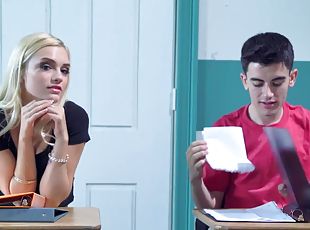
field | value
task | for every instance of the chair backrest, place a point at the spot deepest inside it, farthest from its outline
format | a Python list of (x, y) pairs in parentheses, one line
[(291, 169)]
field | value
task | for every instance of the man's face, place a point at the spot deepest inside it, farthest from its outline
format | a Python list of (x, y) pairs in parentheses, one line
[(268, 87)]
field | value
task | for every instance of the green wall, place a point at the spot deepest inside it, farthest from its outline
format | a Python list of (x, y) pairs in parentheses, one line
[(220, 90)]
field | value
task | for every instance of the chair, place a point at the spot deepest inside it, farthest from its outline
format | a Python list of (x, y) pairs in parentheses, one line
[(200, 225)]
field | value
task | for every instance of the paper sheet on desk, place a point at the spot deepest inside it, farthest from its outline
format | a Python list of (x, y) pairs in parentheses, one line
[(268, 212), (226, 149)]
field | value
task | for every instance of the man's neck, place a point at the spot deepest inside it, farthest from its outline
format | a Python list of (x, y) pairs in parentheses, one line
[(264, 120)]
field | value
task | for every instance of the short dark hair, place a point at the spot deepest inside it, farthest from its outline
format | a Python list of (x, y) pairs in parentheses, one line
[(267, 48)]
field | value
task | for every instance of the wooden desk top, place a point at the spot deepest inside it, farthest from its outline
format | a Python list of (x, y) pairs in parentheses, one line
[(76, 218), (247, 225)]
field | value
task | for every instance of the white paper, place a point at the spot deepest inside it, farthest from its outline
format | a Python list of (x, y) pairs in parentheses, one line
[(226, 149), (268, 212)]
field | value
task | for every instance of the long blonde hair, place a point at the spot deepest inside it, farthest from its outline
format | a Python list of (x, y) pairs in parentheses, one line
[(10, 92)]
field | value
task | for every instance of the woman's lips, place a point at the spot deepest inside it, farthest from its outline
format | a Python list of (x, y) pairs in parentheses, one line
[(55, 89)]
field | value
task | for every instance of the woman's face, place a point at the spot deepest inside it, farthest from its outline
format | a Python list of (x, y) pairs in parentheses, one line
[(46, 75)]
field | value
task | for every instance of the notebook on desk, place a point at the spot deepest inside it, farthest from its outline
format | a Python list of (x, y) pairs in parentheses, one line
[(24, 214), (30, 209), (291, 171)]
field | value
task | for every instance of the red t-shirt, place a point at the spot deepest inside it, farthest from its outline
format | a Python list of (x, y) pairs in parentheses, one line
[(260, 186)]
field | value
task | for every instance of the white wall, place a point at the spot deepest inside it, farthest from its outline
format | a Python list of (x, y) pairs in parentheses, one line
[(225, 24)]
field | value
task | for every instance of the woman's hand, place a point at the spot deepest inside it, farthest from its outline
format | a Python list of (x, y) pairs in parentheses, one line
[(56, 113), (196, 155), (30, 114)]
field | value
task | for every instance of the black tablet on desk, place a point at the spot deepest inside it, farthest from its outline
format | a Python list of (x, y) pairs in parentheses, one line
[(291, 170)]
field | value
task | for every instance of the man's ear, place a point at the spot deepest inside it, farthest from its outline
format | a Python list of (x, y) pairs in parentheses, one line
[(293, 77), (244, 79)]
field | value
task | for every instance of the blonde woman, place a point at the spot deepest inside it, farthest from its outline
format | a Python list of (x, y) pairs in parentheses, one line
[(42, 136)]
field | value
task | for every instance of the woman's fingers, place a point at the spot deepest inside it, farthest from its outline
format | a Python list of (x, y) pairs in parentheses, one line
[(57, 114), (35, 109)]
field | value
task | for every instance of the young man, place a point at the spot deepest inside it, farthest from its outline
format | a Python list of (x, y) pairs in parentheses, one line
[(267, 61)]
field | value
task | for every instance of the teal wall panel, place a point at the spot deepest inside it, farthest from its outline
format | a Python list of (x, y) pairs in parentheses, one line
[(300, 93), (186, 72), (220, 90)]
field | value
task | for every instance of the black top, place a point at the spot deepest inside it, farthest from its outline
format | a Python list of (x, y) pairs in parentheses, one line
[(77, 125)]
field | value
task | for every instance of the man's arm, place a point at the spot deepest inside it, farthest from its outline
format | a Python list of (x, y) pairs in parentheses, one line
[(203, 198), (196, 158)]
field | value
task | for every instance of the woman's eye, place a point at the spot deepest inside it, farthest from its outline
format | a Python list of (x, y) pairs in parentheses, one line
[(65, 71), (45, 66)]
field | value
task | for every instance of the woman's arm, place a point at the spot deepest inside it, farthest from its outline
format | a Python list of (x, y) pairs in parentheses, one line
[(25, 173), (56, 183), (7, 166), (24, 177)]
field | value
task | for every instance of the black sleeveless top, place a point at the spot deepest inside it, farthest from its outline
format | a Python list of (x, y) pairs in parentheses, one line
[(77, 125)]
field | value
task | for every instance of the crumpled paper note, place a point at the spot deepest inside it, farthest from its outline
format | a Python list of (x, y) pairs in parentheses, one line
[(226, 149)]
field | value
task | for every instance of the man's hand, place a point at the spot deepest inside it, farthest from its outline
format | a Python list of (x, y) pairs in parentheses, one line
[(283, 190), (196, 158)]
